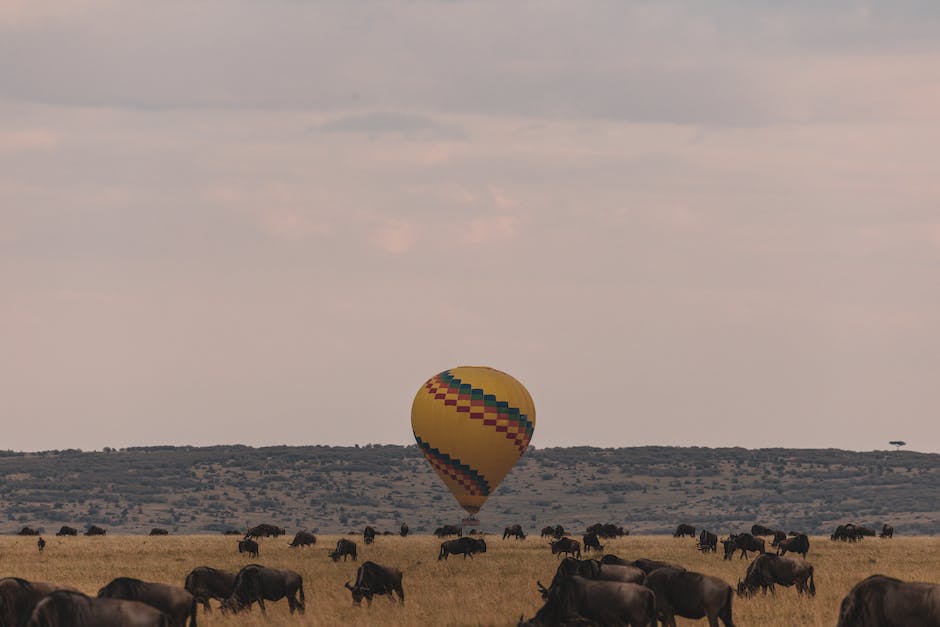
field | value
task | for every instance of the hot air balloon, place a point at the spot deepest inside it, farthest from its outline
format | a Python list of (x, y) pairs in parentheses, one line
[(472, 423)]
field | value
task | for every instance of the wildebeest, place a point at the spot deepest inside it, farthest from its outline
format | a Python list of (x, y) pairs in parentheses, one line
[(448, 530), (742, 542), (592, 569), (576, 600), (881, 601), (867, 531), (256, 584), (41, 544), (303, 538), (248, 546), (206, 583), (591, 542), (95, 530), (559, 531), (264, 530), (514, 531), (231, 532), (797, 544), (607, 530), (18, 597), (65, 530), (548, 532), (887, 531), (175, 602), (768, 570), (761, 530), (684, 530), (846, 533), (373, 579), (157, 531), (65, 608), (465, 546), (368, 535), (779, 536), (566, 546), (690, 595), (707, 541), (27, 531), (343, 549), (403, 531)]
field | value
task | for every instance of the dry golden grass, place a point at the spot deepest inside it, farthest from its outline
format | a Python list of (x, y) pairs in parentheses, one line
[(492, 589)]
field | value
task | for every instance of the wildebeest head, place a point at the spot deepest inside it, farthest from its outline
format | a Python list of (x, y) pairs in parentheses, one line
[(232, 604), (359, 593)]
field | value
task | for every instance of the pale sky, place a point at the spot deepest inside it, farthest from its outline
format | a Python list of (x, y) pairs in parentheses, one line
[(270, 221)]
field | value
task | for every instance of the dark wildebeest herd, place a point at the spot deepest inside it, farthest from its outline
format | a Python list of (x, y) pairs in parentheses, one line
[(606, 591)]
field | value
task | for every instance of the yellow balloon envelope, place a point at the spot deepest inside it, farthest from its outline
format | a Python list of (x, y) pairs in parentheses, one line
[(472, 423)]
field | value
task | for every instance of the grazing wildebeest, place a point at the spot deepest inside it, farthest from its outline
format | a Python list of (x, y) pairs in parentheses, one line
[(867, 531), (607, 530), (95, 530), (18, 597), (373, 579), (515, 531), (548, 532), (175, 602), (465, 546), (779, 537), (690, 595), (343, 549), (591, 541), (41, 544), (257, 584), (707, 541), (65, 608), (576, 600), (403, 532), (881, 601), (743, 542), (761, 530), (368, 535), (303, 538), (27, 531), (448, 530), (157, 531), (206, 583), (768, 570), (797, 544), (248, 546), (65, 530), (566, 546), (264, 530), (684, 530), (887, 531), (846, 533)]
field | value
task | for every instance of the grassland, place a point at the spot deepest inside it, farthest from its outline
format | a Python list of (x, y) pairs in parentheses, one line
[(492, 589)]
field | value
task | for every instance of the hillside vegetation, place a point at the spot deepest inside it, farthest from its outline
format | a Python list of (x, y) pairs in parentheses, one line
[(192, 490)]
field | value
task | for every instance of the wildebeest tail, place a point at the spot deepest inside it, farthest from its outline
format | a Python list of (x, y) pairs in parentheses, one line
[(303, 600), (192, 612), (812, 583)]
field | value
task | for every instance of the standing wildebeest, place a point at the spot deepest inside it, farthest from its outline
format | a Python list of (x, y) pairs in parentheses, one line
[(690, 595), (18, 597), (881, 601), (514, 531), (592, 542), (707, 541), (372, 579), (576, 600), (248, 546), (95, 530), (264, 530), (887, 531), (592, 569), (768, 570), (744, 542), (846, 533), (684, 530), (368, 535), (566, 546), (779, 536), (797, 544), (303, 538), (559, 531), (761, 530), (157, 531), (27, 531), (343, 549), (65, 608), (466, 546), (548, 532), (175, 602), (867, 531), (608, 530), (256, 583), (403, 532), (65, 530), (41, 544), (448, 530), (206, 583)]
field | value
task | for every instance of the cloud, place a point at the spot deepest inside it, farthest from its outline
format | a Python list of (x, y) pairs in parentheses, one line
[(490, 229), (409, 125), (396, 236)]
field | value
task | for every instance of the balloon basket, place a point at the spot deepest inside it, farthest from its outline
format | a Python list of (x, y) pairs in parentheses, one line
[(470, 522)]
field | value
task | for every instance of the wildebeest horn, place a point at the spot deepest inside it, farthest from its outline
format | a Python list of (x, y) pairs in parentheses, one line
[(540, 586), (347, 585)]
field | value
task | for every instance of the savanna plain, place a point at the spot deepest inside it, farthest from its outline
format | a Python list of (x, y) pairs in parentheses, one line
[(494, 588)]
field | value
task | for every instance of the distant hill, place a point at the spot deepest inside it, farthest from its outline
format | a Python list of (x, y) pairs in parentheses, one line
[(332, 489)]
